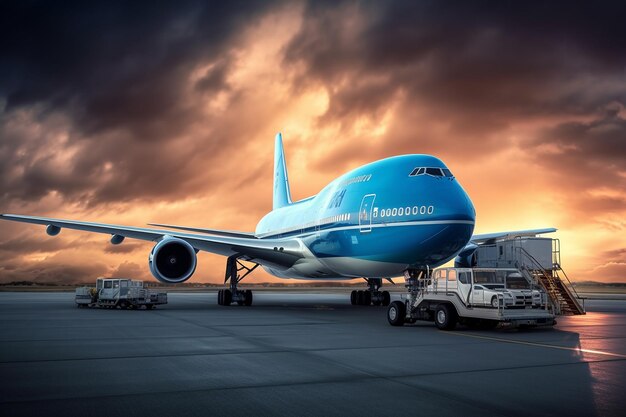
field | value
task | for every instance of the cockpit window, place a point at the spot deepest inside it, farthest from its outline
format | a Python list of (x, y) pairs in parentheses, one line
[(435, 172)]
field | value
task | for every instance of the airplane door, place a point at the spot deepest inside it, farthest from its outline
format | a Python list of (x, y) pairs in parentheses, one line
[(365, 213)]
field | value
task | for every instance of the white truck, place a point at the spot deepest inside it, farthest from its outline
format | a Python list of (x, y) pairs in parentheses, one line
[(476, 297), (118, 293)]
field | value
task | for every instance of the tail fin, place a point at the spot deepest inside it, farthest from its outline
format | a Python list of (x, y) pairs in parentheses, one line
[(282, 195)]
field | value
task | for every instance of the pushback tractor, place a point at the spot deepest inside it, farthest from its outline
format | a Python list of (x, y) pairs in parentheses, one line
[(119, 293)]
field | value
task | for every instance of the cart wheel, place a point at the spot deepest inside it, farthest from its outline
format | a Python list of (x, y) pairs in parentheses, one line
[(396, 313)]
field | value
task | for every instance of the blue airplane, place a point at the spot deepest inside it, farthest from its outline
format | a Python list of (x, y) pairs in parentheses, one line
[(398, 216)]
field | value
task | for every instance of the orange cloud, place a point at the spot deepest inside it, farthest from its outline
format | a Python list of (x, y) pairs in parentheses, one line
[(176, 125)]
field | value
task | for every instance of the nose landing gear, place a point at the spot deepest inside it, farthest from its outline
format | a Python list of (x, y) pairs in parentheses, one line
[(372, 295)]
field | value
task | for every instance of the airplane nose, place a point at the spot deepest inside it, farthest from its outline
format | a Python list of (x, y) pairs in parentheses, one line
[(461, 205)]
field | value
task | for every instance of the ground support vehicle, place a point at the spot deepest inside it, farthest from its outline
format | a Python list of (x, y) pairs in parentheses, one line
[(118, 293), (448, 296)]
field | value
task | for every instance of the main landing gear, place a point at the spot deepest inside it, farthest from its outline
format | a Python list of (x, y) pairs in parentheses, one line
[(372, 295), (233, 295)]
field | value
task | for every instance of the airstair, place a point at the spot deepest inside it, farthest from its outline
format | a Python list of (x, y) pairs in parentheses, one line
[(546, 272)]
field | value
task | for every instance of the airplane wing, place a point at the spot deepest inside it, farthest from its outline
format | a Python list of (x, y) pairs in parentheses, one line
[(207, 231), (269, 252), (492, 237)]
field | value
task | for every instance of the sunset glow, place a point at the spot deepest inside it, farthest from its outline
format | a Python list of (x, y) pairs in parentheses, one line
[(167, 115)]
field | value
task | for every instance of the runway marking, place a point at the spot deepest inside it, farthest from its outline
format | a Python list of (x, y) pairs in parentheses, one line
[(521, 342)]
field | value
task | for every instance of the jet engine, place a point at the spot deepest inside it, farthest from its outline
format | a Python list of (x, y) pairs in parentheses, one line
[(467, 257), (172, 260)]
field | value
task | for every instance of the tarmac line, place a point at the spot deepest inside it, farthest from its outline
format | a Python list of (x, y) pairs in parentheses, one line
[(544, 345)]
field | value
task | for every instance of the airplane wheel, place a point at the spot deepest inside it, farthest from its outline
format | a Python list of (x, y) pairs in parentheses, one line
[(377, 302), (445, 317), (240, 302), (359, 298), (220, 297), (353, 298), (386, 298), (248, 297), (396, 313), (227, 297), (367, 298)]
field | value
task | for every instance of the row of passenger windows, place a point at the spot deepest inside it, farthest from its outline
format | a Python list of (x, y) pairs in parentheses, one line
[(401, 211), (335, 219), (435, 172)]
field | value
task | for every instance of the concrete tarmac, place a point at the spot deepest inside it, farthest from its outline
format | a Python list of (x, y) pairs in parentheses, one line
[(299, 354)]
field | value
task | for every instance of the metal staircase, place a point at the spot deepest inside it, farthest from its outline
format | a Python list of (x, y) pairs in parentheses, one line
[(561, 293), (562, 296)]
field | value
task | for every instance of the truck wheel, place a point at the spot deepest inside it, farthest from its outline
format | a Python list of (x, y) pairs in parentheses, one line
[(386, 298), (445, 317), (396, 313)]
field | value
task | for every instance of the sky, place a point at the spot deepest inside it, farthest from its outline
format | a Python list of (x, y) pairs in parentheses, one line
[(138, 112)]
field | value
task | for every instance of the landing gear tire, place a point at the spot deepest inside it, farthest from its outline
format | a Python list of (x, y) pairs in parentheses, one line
[(353, 297), (220, 297), (396, 313), (445, 317), (227, 297), (386, 298), (247, 298), (367, 298)]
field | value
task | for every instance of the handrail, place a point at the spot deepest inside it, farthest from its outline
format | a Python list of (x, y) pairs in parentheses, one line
[(568, 281)]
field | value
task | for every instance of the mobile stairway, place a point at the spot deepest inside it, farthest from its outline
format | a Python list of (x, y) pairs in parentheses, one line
[(539, 260)]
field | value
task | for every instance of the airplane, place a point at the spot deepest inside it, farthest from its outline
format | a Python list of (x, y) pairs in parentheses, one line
[(402, 215)]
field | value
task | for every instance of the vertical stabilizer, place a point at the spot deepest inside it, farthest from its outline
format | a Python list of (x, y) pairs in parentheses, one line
[(282, 195)]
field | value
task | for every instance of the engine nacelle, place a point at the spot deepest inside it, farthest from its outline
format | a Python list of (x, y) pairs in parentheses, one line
[(467, 257), (172, 260)]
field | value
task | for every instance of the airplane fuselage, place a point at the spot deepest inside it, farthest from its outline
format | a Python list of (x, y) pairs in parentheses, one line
[(376, 221)]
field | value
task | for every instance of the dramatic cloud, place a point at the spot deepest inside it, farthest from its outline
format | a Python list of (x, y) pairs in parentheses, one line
[(130, 112)]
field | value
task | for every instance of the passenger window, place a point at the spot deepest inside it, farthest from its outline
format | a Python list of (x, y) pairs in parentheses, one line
[(463, 278), (123, 284), (116, 284), (108, 284)]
